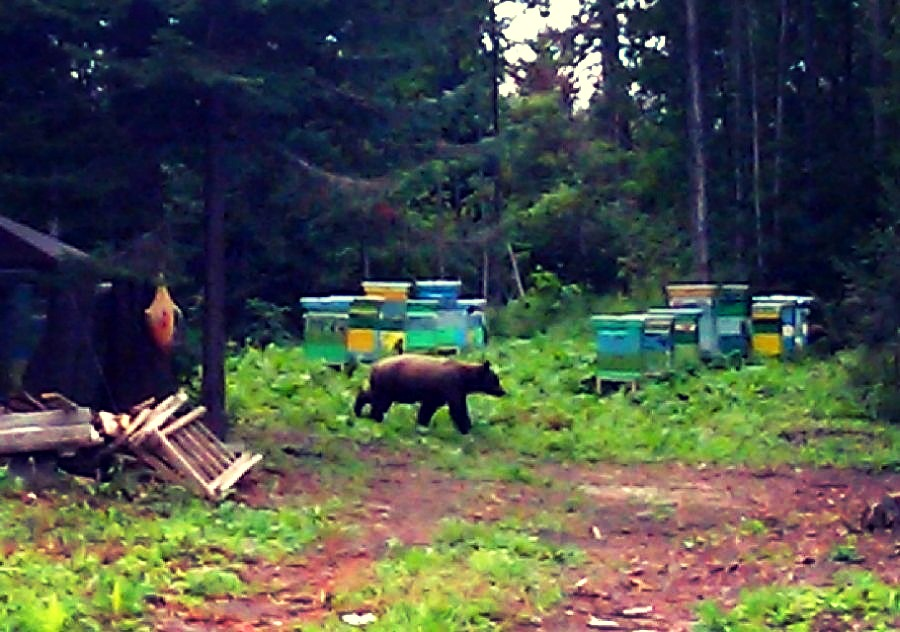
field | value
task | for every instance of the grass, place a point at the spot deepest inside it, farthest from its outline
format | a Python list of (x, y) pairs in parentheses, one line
[(94, 558), (471, 576), (91, 562), (856, 601), (768, 414)]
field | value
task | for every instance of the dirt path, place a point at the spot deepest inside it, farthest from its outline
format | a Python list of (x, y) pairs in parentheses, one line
[(661, 537)]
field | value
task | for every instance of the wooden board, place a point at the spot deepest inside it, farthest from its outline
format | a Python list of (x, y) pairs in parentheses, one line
[(48, 438)]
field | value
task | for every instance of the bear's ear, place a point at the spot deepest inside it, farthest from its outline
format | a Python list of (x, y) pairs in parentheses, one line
[(486, 365)]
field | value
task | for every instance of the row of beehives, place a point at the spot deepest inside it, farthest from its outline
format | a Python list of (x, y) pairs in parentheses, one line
[(702, 323), (392, 317)]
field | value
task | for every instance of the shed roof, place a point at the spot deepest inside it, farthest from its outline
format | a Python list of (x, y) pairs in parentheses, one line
[(22, 247)]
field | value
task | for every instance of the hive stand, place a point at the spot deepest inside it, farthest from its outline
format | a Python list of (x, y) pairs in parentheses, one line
[(178, 449)]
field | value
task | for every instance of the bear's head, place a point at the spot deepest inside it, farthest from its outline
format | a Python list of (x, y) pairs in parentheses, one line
[(486, 381)]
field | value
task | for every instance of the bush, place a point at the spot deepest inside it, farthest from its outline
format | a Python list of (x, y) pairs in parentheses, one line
[(875, 375)]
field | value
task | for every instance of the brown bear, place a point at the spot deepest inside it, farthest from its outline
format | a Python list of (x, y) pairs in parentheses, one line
[(433, 382)]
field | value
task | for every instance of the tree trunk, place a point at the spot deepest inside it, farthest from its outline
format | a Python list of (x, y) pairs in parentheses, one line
[(809, 102), (754, 108), (698, 196), (779, 122), (737, 105), (617, 125), (877, 80), (214, 300), (515, 270)]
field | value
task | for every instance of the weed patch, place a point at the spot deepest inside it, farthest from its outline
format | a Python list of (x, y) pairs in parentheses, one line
[(88, 563), (470, 577), (856, 599), (766, 414)]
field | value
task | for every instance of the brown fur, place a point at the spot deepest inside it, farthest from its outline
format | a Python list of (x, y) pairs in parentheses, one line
[(433, 382)]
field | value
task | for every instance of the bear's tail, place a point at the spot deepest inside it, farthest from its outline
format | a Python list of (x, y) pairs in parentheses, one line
[(364, 397)]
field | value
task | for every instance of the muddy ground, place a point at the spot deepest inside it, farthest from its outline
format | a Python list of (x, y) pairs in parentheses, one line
[(658, 538)]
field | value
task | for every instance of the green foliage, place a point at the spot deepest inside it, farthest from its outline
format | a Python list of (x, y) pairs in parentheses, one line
[(545, 300), (846, 552), (469, 575), (79, 565), (798, 413), (855, 599), (269, 323)]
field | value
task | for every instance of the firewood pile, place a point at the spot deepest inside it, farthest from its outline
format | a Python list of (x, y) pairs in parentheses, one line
[(179, 449), (172, 442)]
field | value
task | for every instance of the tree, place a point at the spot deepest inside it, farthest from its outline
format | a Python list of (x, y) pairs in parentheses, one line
[(697, 168)]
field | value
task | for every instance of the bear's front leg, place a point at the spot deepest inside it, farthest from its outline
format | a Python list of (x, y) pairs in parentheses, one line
[(426, 412), (460, 414), (379, 407)]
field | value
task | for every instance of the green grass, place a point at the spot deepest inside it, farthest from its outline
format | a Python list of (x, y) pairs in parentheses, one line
[(470, 576), (859, 601), (89, 563), (768, 414), (94, 558)]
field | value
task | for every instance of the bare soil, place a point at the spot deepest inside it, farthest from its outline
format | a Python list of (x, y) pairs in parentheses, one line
[(658, 538)]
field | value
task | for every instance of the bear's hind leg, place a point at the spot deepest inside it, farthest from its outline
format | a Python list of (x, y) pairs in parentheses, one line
[(426, 412), (460, 415)]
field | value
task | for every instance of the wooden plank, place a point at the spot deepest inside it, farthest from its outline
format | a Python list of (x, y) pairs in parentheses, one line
[(159, 416), (184, 466), (129, 429), (209, 450), (226, 473), (235, 472), (46, 418), (206, 453), (147, 403), (138, 421), (54, 438), (195, 456), (184, 420), (167, 473), (214, 440)]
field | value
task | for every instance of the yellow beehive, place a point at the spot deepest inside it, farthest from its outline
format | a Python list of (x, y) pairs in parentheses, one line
[(691, 290), (361, 340), (391, 342), (388, 290), (767, 335)]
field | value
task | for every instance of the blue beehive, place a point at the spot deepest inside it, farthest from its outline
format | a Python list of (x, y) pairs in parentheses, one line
[(445, 292), (476, 333), (331, 304)]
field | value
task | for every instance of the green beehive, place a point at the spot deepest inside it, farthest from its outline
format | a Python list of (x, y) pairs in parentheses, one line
[(421, 332), (656, 344), (700, 296), (325, 336), (733, 316), (450, 332), (619, 346), (475, 322), (365, 312), (685, 336), (421, 325)]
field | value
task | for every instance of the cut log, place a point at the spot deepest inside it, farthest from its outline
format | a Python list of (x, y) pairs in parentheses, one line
[(48, 438), (46, 418)]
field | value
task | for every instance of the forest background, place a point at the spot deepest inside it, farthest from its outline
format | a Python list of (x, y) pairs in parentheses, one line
[(270, 149)]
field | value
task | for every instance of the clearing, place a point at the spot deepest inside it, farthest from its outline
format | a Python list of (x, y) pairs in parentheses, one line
[(657, 539)]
